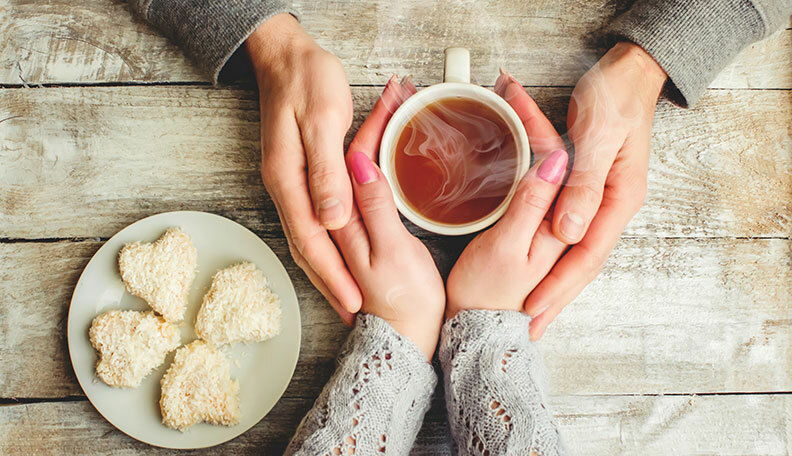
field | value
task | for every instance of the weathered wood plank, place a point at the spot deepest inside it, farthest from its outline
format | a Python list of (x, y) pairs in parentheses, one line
[(665, 316), (543, 44), (92, 41), (646, 426), (84, 162)]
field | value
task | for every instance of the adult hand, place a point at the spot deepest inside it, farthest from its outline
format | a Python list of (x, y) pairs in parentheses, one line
[(394, 270), (500, 267), (609, 121), (306, 110)]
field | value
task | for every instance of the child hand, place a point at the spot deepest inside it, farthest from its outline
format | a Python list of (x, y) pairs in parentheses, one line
[(394, 270), (501, 266)]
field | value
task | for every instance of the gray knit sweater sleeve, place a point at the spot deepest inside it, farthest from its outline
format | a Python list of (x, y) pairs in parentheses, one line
[(494, 386), (375, 401), (693, 40), (210, 32)]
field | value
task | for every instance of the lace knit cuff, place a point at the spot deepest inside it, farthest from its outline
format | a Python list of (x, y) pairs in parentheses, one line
[(376, 399), (494, 386), (471, 325), (372, 334)]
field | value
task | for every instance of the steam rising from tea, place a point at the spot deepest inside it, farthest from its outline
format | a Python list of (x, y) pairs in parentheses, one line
[(456, 161)]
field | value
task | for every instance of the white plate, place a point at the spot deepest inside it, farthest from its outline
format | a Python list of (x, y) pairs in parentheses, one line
[(263, 369)]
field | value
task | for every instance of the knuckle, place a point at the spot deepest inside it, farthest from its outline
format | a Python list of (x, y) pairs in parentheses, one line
[(330, 111), (321, 176), (594, 262), (303, 242), (372, 203), (530, 198), (591, 193)]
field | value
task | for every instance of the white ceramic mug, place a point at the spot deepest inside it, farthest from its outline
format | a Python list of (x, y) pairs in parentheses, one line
[(456, 84)]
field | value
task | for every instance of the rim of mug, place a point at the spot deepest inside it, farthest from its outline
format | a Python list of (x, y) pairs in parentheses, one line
[(419, 101)]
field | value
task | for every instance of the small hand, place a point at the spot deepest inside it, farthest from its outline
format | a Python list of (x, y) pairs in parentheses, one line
[(306, 110), (610, 122), (500, 267), (396, 274)]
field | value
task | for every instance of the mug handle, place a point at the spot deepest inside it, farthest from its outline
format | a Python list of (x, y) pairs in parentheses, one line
[(457, 65)]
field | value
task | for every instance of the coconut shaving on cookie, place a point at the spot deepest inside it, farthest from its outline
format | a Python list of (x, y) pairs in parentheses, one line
[(130, 344), (198, 387), (239, 307), (161, 272)]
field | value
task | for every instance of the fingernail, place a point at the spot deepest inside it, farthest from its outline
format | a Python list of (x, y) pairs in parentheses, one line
[(330, 211), (537, 333), (552, 168), (363, 168), (501, 82), (571, 226)]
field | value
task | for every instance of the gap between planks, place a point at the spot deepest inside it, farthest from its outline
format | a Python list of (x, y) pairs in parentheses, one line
[(13, 401), (275, 236), (251, 86)]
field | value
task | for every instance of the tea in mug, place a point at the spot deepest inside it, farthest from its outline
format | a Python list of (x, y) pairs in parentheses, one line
[(455, 161)]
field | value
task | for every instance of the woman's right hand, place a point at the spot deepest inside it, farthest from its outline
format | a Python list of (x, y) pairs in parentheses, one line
[(394, 270), (500, 267)]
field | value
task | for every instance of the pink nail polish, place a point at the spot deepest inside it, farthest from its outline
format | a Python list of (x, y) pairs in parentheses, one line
[(363, 168), (552, 168)]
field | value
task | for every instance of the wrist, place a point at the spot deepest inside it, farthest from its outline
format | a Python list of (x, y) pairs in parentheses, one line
[(274, 41), (634, 60), (424, 335)]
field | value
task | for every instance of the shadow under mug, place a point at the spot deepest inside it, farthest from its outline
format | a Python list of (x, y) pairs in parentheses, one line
[(456, 84)]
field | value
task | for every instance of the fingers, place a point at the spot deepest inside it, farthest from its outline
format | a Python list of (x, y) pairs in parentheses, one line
[(542, 136), (582, 263), (624, 194), (283, 171), (375, 203), (353, 238), (346, 316), (368, 137), (596, 146), (353, 242), (323, 133), (534, 196), (579, 266)]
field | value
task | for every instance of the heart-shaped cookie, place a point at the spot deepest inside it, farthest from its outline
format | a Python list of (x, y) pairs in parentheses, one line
[(130, 345), (198, 387), (239, 307), (161, 272)]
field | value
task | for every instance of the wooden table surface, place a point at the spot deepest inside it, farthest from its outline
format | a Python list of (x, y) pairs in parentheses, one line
[(683, 345)]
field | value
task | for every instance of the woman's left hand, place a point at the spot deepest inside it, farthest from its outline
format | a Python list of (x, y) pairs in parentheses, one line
[(500, 267), (395, 272)]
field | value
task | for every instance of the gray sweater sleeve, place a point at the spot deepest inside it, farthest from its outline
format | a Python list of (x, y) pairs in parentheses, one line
[(494, 386), (210, 32), (693, 40), (375, 401)]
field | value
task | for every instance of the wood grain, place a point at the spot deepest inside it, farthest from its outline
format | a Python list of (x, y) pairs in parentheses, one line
[(542, 43), (665, 316), (84, 162), (645, 426)]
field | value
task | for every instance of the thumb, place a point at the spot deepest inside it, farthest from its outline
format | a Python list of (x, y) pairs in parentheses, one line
[(375, 202), (579, 201), (328, 178), (532, 200)]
